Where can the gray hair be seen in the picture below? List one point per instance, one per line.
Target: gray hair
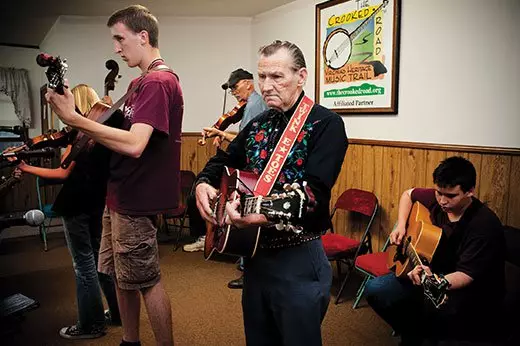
(294, 51)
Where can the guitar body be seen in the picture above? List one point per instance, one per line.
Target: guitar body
(228, 239)
(422, 235)
(94, 113)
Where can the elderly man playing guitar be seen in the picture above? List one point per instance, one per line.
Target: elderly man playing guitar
(287, 279)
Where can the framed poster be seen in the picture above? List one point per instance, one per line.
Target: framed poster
(357, 56)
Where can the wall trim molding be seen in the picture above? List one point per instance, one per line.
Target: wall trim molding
(434, 146)
(419, 145)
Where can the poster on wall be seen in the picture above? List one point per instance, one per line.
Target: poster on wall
(357, 56)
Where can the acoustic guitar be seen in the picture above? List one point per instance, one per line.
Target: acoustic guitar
(287, 209)
(418, 248)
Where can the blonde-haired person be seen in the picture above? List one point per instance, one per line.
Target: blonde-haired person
(84, 98)
(80, 203)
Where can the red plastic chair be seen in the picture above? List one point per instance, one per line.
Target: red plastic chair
(343, 249)
(178, 215)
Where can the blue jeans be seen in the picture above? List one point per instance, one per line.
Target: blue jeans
(286, 294)
(83, 235)
(397, 301)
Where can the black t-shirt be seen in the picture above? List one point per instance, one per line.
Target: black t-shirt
(85, 190)
(473, 245)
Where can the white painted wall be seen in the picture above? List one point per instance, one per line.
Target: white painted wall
(459, 70)
(203, 51)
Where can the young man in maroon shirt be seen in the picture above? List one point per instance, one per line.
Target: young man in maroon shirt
(144, 172)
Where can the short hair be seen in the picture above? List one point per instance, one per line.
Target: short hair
(137, 18)
(295, 52)
(454, 171)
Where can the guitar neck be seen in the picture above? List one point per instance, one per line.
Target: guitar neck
(412, 253)
(252, 205)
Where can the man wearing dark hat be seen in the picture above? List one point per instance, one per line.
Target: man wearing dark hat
(240, 84)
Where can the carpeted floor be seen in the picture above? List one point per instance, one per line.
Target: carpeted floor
(205, 311)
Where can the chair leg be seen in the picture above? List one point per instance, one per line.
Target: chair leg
(343, 284)
(176, 244)
(360, 291)
(164, 227)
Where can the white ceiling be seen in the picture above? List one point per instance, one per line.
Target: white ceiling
(26, 22)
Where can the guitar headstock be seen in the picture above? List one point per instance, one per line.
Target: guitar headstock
(289, 207)
(56, 69)
(435, 288)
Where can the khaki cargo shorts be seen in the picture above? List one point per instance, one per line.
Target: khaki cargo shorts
(129, 251)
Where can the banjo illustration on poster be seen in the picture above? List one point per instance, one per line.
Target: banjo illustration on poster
(356, 55)
(337, 49)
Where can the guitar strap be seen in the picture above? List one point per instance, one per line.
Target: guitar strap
(273, 168)
(80, 144)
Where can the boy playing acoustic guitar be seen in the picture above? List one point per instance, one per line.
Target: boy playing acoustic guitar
(470, 257)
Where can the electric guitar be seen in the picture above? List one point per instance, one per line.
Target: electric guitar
(418, 248)
(286, 209)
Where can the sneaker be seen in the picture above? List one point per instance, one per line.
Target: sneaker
(198, 245)
(73, 332)
(109, 321)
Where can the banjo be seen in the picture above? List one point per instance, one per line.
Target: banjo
(337, 48)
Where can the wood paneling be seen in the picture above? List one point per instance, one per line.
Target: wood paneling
(385, 168)
(494, 183)
(435, 146)
(390, 192)
(433, 158)
(389, 168)
(476, 160)
(513, 207)
(373, 182)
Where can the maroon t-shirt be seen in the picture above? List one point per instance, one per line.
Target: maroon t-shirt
(150, 184)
